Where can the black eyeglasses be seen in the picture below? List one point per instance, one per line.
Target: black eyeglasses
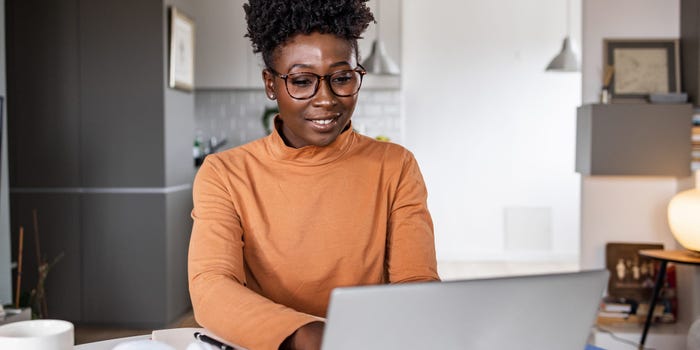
(304, 85)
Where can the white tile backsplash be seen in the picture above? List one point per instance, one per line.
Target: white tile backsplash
(237, 114)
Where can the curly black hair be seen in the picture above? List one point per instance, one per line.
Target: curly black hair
(272, 22)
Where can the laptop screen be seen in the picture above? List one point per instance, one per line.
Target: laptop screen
(554, 311)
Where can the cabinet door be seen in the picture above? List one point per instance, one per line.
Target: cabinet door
(387, 13)
(255, 67)
(224, 57)
(634, 139)
(221, 50)
(43, 80)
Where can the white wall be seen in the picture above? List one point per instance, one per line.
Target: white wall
(629, 209)
(489, 127)
(622, 208)
(621, 19)
(5, 252)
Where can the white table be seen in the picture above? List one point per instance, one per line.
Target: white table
(110, 344)
(178, 338)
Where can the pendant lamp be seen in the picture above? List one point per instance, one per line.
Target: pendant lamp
(566, 60)
(378, 61)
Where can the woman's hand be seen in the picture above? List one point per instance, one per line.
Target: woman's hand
(307, 337)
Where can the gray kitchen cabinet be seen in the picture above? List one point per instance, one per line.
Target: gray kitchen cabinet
(101, 148)
(224, 57)
(388, 14)
(634, 139)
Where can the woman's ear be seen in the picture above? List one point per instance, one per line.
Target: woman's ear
(269, 81)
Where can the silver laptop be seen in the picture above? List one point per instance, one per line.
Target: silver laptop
(528, 312)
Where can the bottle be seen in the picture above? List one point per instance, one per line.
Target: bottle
(197, 149)
(605, 95)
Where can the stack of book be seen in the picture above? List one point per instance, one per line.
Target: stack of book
(617, 310)
(620, 310)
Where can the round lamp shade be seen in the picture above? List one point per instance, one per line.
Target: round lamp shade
(684, 218)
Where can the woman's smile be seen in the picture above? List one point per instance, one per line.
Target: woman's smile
(324, 123)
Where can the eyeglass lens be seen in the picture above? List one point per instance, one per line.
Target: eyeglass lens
(305, 85)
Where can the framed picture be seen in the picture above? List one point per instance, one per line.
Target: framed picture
(181, 51)
(631, 275)
(643, 67)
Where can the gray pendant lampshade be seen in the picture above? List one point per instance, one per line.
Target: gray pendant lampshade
(378, 62)
(566, 60)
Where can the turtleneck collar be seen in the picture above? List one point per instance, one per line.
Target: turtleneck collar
(308, 155)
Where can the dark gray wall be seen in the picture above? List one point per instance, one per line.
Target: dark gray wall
(125, 265)
(101, 148)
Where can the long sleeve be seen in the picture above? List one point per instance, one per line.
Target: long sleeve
(410, 238)
(222, 303)
(276, 229)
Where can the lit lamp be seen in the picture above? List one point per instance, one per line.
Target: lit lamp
(684, 217)
(684, 220)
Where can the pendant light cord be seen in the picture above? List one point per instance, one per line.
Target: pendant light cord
(568, 18)
(376, 20)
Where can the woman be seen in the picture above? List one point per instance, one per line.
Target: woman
(281, 221)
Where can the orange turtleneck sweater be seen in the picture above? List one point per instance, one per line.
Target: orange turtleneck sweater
(277, 228)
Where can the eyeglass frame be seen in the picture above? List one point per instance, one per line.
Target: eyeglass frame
(359, 69)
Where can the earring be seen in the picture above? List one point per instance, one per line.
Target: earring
(271, 96)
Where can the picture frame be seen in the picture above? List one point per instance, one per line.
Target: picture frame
(181, 59)
(631, 276)
(643, 66)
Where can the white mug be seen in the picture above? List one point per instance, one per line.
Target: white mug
(37, 335)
